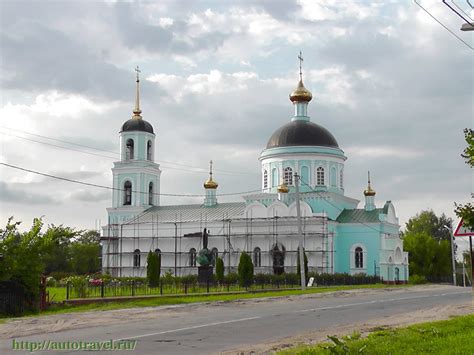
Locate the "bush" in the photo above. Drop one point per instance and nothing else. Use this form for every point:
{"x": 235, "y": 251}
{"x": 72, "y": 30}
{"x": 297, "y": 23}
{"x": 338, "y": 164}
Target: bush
{"x": 219, "y": 269}
{"x": 153, "y": 269}
{"x": 417, "y": 280}
{"x": 245, "y": 270}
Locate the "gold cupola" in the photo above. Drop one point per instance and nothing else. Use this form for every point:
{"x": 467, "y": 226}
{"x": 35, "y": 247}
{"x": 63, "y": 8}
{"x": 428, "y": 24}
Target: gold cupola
{"x": 283, "y": 188}
{"x": 301, "y": 94}
{"x": 369, "y": 191}
{"x": 210, "y": 184}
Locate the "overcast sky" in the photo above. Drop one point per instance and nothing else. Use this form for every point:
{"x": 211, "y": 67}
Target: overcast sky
{"x": 392, "y": 85}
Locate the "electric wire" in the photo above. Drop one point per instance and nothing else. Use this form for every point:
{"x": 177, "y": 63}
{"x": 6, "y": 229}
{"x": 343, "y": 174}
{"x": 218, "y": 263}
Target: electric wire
{"x": 118, "y": 189}
{"x": 445, "y": 27}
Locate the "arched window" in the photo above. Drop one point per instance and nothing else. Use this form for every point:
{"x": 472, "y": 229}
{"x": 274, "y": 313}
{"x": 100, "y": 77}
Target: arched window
{"x": 320, "y": 176}
{"x": 397, "y": 274}
{"x": 148, "y": 150}
{"x": 359, "y": 258}
{"x": 127, "y": 193}
{"x": 265, "y": 179}
{"x": 215, "y": 255}
{"x": 192, "y": 257}
{"x": 341, "y": 179}
{"x": 288, "y": 176}
{"x": 136, "y": 258}
{"x": 129, "y": 149}
{"x": 257, "y": 257}
{"x": 150, "y": 193}
{"x": 274, "y": 177}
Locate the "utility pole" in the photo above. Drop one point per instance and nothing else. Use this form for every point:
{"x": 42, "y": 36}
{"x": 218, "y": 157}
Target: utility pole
{"x": 453, "y": 259}
{"x": 300, "y": 234}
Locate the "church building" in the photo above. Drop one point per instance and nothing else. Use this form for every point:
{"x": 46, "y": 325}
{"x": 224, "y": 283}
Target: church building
{"x": 338, "y": 237}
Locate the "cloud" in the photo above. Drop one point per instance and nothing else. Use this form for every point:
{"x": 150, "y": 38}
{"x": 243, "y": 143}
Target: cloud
{"x": 90, "y": 195}
{"x": 15, "y": 193}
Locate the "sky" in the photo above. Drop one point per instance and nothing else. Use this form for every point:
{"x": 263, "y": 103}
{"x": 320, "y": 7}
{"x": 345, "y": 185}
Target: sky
{"x": 392, "y": 85}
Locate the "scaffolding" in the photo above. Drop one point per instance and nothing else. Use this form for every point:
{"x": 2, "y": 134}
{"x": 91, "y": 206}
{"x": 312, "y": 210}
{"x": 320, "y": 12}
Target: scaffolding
{"x": 175, "y": 239}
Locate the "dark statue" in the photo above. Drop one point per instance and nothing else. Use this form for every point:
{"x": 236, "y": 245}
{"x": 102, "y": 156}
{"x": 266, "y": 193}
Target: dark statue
{"x": 278, "y": 256}
{"x": 205, "y": 258}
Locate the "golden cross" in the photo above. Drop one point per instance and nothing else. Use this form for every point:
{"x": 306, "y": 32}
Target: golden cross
{"x": 300, "y": 57}
{"x": 138, "y": 72}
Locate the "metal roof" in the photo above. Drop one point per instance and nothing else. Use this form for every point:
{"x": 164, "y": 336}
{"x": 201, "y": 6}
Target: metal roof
{"x": 360, "y": 215}
{"x": 190, "y": 213}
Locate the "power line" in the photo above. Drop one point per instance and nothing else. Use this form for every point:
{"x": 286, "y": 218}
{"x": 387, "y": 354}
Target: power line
{"x": 116, "y": 155}
{"x": 117, "y": 189}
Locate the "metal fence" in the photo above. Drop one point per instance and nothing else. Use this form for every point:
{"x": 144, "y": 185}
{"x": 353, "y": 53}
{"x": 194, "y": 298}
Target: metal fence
{"x": 190, "y": 285}
{"x": 12, "y": 299}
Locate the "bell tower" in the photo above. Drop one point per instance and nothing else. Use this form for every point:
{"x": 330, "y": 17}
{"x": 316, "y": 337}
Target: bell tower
{"x": 136, "y": 177}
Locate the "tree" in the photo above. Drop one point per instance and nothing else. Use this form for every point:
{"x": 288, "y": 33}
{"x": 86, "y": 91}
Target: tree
{"x": 245, "y": 270}
{"x": 466, "y": 212}
{"x": 153, "y": 269}
{"x": 298, "y": 270}
{"x": 84, "y": 253}
{"x": 219, "y": 269}
{"x": 428, "y": 222}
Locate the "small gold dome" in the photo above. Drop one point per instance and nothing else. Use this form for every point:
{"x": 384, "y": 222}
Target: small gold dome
{"x": 369, "y": 192}
{"x": 301, "y": 94}
{"x": 210, "y": 184}
{"x": 283, "y": 188}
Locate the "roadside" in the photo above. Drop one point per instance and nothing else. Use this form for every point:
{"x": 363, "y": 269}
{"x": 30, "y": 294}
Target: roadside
{"x": 364, "y": 328}
{"x": 18, "y": 327}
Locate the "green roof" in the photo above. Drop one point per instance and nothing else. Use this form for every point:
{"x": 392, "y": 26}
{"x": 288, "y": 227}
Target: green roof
{"x": 360, "y": 215}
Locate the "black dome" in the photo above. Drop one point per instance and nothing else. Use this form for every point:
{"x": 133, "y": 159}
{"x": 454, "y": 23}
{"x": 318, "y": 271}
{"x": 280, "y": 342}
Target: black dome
{"x": 135, "y": 124}
{"x": 302, "y": 133}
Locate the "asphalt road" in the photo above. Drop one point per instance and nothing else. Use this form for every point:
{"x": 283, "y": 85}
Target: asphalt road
{"x": 212, "y": 328}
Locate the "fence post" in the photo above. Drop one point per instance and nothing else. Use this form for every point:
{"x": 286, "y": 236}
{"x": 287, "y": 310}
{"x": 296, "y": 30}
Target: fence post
{"x": 185, "y": 287}
{"x": 161, "y": 287}
{"x": 102, "y": 289}
{"x": 67, "y": 290}
{"x": 133, "y": 288}
{"x": 207, "y": 286}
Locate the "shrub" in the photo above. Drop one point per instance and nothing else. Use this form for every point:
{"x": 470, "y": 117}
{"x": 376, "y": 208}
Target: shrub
{"x": 417, "y": 280}
{"x": 153, "y": 269}
{"x": 245, "y": 270}
{"x": 219, "y": 269}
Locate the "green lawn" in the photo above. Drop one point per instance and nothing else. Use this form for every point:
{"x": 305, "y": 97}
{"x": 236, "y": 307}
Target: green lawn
{"x": 454, "y": 336}
{"x": 160, "y": 301}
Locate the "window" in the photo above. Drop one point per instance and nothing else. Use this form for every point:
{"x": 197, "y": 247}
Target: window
{"x": 192, "y": 257}
{"x": 274, "y": 177}
{"x": 129, "y": 149}
{"x": 265, "y": 179}
{"x": 320, "y": 176}
{"x": 215, "y": 255}
{"x": 127, "y": 193}
{"x": 341, "y": 179}
{"x": 288, "y": 176}
{"x": 359, "y": 258}
{"x": 136, "y": 258}
{"x": 148, "y": 150}
{"x": 257, "y": 257}
{"x": 150, "y": 194}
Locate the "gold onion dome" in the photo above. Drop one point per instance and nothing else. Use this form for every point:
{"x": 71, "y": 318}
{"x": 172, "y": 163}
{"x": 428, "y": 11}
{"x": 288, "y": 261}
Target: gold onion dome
{"x": 369, "y": 191}
{"x": 283, "y": 188}
{"x": 210, "y": 184}
{"x": 301, "y": 94}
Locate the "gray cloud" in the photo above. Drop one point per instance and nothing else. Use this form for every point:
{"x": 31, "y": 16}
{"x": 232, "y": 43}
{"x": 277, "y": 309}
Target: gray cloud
{"x": 17, "y": 194}
{"x": 90, "y": 196}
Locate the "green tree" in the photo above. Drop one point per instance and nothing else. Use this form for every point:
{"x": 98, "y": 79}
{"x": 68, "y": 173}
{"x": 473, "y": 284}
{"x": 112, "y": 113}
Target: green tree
{"x": 298, "y": 269}
{"x": 21, "y": 260}
{"x": 153, "y": 269}
{"x": 84, "y": 253}
{"x": 466, "y": 212}
{"x": 219, "y": 269}
{"x": 245, "y": 270}
{"x": 428, "y": 222}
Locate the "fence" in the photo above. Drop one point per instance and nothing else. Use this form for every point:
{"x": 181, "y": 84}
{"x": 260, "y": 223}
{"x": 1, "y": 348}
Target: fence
{"x": 12, "y": 299}
{"x": 190, "y": 285}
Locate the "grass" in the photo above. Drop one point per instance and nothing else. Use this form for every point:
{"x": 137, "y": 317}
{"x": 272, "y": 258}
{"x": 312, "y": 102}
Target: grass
{"x": 454, "y": 336}
{"x": 161, "y": 301}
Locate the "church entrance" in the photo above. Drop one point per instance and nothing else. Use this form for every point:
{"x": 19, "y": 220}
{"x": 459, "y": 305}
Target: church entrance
{"x": 278, "y": 257}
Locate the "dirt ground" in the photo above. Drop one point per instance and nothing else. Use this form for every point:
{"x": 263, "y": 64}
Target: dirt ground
{"x": 19, "y": 327}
